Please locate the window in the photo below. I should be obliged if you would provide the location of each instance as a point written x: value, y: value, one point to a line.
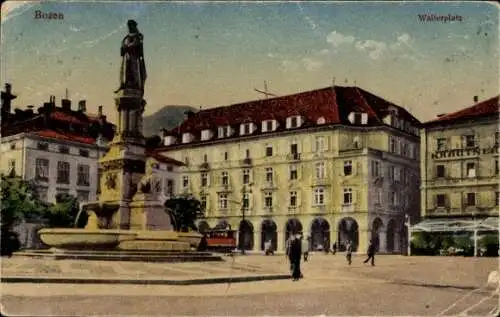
x: 223, y: 132
x: 497, y: 168
x: 269, y: 151
x: 497, y: 138
x: 42, y: 193
x: 63, y: 149
x: 246, y: 200
x: 293, y: 199
x: 246, y: 128
x: 293, y: 172
x: 185, y: 182
x: 391, y: 173
x: 83, y: 175
x: 226, y: 156
x: 471, y: 169
x: 440, y: 171
x: 203, y: 202
x: 397, y: 174
x: 392, y: 145
x: 268, y: 199
x: 13, y: 146
x: 205, y: 158
x: 225, y: 178
x: 470, y: 199
x: 319, y: 196
x: 441, y: 144
x: 204, y: 179
x: 320, y: 170
x: 294, y: 148
x: 470, y: 140
x: 320, y: 144
x: 82, y: 195
x: 393, y: 197
x: 170, y: 168
x: 375, y: 168
x: 62, y: 172
x: 294, y: 122
x: 347, y: 196
x: 247, y: 153
x: 222, y: 201
x: 269, y: 174
x: 497, y: 198
x: 379, y: 197
x: 169, y: 187
x: 404, y: 150
x: 12, y: 166
x: 268, y: 126
x: 43, y: 146
x: 246, y: 176
x: 347, y: 168
x: 84, y: 153
x: 440, y: 200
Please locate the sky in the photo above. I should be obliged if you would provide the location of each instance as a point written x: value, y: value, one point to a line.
x: 207, y: 54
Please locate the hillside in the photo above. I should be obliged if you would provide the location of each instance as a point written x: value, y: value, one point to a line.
x: 167, y: 117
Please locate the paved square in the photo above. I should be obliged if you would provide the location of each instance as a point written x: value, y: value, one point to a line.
x: 448, y: 286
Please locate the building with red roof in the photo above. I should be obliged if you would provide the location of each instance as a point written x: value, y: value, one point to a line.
x: 337, y: 163
x: 460, y: 168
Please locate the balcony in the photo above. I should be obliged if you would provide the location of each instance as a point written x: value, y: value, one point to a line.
x: 269, y: 185
x: 293, y: 210
x: 321, y: 182
x: 204, y: 166
x: 224, y: 188
x: 348, y: 208
x: 293, y: 157
x: 319, y: 209
x: 246, y: 161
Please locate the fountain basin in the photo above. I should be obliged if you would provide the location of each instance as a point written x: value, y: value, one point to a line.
x: 192, y: 237
x: 84, y: 239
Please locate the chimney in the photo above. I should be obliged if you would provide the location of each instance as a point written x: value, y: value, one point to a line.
x: 99, y: 112
x: 66, y: 104
x: 82, y: 106
x: 476, y: 99
x: 52, y: 101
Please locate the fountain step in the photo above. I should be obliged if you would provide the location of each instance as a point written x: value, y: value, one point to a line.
x: 134, y: 256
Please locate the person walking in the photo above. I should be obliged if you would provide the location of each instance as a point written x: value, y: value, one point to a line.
x: 305, y: 248
x: 288, y: 250
x: 334, y: 248
x: 296, y: 255
x: 326, y: 245
x: 370, y: 253
x: 348, y: 252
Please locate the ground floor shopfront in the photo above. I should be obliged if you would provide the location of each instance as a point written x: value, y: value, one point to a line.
x: 387, y: 231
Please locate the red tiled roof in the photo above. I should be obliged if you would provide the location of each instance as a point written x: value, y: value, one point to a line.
x: 163, y: 159
x: 64, y: 136
x: 71, y: 117
x: 482, y: 109
x: 333, y: 104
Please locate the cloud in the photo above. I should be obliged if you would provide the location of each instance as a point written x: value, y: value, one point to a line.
x: 337, y: 39
x: 374, y: 49
x: 311, y: 64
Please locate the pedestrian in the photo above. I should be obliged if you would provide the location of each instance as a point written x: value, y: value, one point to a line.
x: 334, y: 248
x: 326, y: 245
x: 370, y: 253
x: 288, y: 249
x: 305, y: 248
x: 296, y: 255
x: 348, y: 253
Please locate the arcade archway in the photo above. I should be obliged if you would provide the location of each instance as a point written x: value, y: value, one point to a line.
x: 320, y: 234
x: 348, y: 230
x: 203, y: 227
x: 377, y: 226
x: 391, y: 229
x: 245, y: 235
x: 293, y: 226
x: 268, y: 232
x: 222, y: 225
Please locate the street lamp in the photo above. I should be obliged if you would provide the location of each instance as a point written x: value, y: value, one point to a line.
x: 475, y: 232
x: 243, y: 208
x: 408, y: 225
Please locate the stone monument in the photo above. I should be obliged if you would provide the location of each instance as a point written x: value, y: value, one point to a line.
x: 128, y: 214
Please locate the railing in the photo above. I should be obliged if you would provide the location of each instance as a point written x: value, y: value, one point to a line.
x: 246, y: 161
x: 293, y: 157
x: 204, y: 166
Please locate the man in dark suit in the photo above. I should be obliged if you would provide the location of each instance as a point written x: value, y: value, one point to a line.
x: 371, y: 253
x: 295, y: 256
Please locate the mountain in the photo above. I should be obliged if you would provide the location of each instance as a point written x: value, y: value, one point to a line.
x: 167, y: 117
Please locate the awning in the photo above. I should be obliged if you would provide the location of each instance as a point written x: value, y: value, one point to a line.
x: 456, y: 225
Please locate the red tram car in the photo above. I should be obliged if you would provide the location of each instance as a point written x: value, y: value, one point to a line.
x: 219, y: 240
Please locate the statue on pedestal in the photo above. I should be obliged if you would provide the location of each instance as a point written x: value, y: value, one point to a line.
x: 133, y: 69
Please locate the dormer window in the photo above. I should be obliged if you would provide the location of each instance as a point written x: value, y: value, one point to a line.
x: 206, y: 135
x: 269, y: 125
x: 321, y: 120
x: 293, y: 122
x: 247, y: 128
x: 224, y: 132
x: 358, y: 118
x: 187, y: 137
x: 168, y: 140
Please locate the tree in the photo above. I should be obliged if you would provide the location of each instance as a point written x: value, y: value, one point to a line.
x: 65, y: 211
x: 183, y: 212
